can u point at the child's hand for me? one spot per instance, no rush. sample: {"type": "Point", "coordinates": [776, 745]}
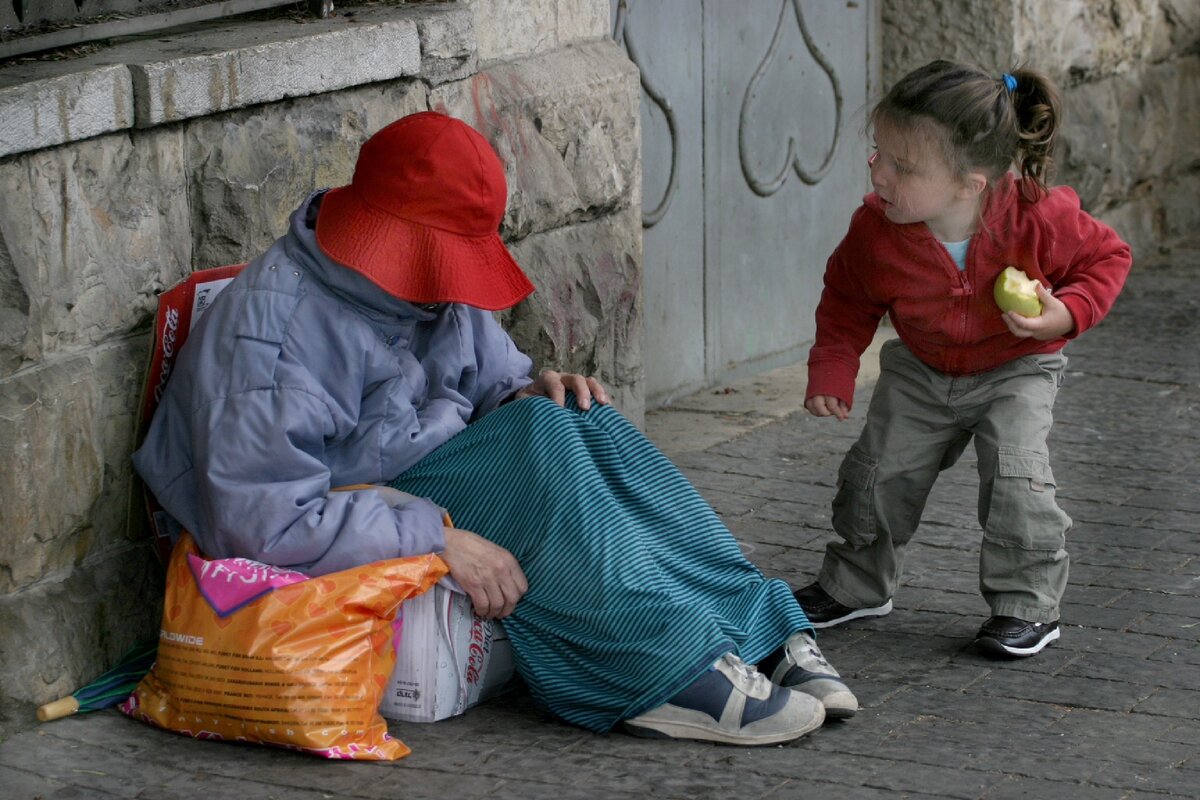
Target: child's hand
{"type": "Point", "coordinates": [824, 405]}
{"type": "Point", "coordinates": [1055, 320]}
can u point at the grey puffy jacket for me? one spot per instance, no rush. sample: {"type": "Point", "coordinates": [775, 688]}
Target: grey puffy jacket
{"type": "Point", "coordinates": [304, 376]}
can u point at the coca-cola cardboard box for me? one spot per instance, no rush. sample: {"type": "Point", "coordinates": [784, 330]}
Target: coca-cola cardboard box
{"type": "Point", "coordinates": [447, 659]}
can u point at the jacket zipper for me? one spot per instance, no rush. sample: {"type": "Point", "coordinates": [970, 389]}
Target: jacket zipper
{"type": "Point", "coordinates": [962, 291]}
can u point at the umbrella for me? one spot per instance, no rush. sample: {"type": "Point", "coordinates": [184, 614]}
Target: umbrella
{"type": "Point", "coordinates": [110, 688]}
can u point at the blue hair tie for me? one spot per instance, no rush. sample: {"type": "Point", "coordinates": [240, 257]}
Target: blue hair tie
{"type": "Point", "coordinates": [1009, 82]}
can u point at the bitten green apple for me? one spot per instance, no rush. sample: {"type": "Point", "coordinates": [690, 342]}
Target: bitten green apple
{"type": "Point", "coordinates": [1016, 291]}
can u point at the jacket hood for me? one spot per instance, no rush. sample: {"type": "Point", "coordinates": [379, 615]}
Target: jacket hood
{"type": "Point", "coordinates": [346, 284]}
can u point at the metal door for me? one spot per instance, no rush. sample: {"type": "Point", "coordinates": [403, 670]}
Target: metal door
{"type": "Point", "coordinates": [753, 161]}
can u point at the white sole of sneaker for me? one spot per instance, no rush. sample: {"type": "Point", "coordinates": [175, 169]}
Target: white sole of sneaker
{"type": "Point", "coordinates": [649, 729]}
{"type": "Point", "coordinates": [842, 705]}
{"type": "Point", "coordinates": [858, 613]}
{"type": "Point", "coordinates": [999, 647]}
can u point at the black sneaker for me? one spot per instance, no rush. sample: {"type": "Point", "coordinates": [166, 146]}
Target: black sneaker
{"type": "Point", "coordinates": [1010, 636]}
{"type": "Point", "coordinates": [825, 612]}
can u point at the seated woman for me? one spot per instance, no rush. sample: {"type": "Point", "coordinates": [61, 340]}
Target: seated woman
{"type": "Point", "coordinates": [360, 349]}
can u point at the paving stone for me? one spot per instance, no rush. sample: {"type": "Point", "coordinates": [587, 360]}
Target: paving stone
{"type": "Point", "coordinates": [808, 515]}
{"type": "Point", "coordinates": [1096, 617]}
{"type": "Point", "coordinates": [1121, 535]}
{"type": "Point", "coordinates": [1063, 690]}
{"type": "Point", "coordinates": [1019, 788]}
{"type": "Point", "coordinates": [943, 781]}
{"type": "Point", "coordinates": [1178, 652]}
{"type": "Point", "coordinates": [1172, 703]}
{"type": "Point", "coordinates": [1185, 733]}
{"type": "Point", "coordinates": [1130, 558]}
{"type": "Point", "coordinates": [1182, 543]}
{"type": "Point", "coordinates": [1095, 595]}
{"type": "Point", "coordinates": [970, 709]}
{"type": "Point", "coordinates": [818, 789]}
{"type": "Point", "coordinates": [1179, 604]}
{"type": "Point", "coordinates": [1175, 519]}
{"type": "Point", "coordinates": [1116, 727]}
{"type": "Point", "coordinates": [1168, 780]}
{"type": "Point", "coordinates": [1124, 578]}
{"type": "Point", "coordinates": [1111, 642]}
{"type": "Point", "coordinates": [756, 529]}
{"type": "Point", "coordinates": [1169, 625]}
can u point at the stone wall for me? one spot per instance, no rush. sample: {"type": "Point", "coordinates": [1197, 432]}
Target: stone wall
{"type": "Point", "coordinates": [123, 170]}
{"type": "Point", "coordinates": [1130, 75]}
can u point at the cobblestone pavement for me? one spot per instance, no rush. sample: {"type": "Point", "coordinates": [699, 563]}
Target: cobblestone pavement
{"type": "Point", "coordinates": [1112, 710]}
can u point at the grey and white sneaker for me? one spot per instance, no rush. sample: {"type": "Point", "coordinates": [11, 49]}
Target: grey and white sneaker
{"type": "Point", "coordinates": [731, 703]}
{"type": "Point", "coordinates": [800, 665]}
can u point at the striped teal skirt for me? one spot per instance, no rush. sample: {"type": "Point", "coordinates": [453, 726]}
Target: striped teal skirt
{"type": "Point", "coordinates": [635, 585]}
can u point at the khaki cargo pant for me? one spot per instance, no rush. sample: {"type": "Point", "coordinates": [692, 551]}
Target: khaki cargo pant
{"type": "Point", "coordinates": [918, 424]}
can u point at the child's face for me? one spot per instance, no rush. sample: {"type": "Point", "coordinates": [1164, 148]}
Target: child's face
{"type": "Point", "coordinates": [915, 184]}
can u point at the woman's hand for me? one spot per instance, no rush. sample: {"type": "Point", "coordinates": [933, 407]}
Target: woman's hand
{"type": "Point", "coordinates": [1055, 319]}
{"type": "Point", "coordinates": [555, 385]}
{"type": "Point", "coordinates": [487, 572]}
{"type": "Point", "coordinates": [824, 405]}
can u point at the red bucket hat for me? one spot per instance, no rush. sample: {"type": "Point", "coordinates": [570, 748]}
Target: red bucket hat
{"type": "Point", "coordinates": [420, 218]}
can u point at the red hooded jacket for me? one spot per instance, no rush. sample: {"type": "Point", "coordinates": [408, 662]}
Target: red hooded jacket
{"type": "Point", "coordinates": [948, 317]}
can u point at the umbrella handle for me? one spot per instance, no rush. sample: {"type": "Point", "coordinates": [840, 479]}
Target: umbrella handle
{"type": "Point", "coordinates": [63, 707]}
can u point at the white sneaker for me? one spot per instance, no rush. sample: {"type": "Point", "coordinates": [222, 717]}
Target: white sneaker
{"type": "Point", "coordinates": [805, 669]}
{"type": "Point", "coordinates": [732, 703]}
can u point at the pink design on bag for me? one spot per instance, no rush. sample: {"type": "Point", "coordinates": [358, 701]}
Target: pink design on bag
{"type": "Point", "coordinates": [230, 583]}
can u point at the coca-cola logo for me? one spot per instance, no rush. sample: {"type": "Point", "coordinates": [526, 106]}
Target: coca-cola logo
{"type": "Point", "coordinates": [170, 332]}
{"type": "Point", "coordinates": [477, 650]}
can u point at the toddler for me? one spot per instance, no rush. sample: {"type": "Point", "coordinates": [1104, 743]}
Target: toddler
{"type": "Point", "coordinates": [944, 220]}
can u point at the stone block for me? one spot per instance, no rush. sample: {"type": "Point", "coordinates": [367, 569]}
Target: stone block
{"type": "Point", "coordinates": [49, 429]}
{"type": "Point", "coordinates": [1130, 141]}
{"type": "Point", "coordinates": [583, 19]}
{"type": "Point", "coordinates": [918, 31]}
{"type": "Point", "coordinates": [1160, 213]}
{"type": "Point", "coordinates": [248, 170]}
{"type": "Point", "coordinates": [1176, 27]}
{"type": "Point", "coordinates": [47, 105]}
{"type": "Point", "coordinates": [506, 29]}
{"type": "Point", "coordinates": [14, 307]}
{"type": "Point", "coordinates": [233, 66]}
{"type": "Point", "coordinates": [1079, 40]}
{"type": "Point", "coordinates": [120, 370]}
{"type": "Point", "coordinates": [1074, 40]}
{"type": "Point", "coordinates": [447, 35]}
{"type": "Point", "coordinates": [566, 125]}
{"type": "Point", "coordinates": [586, 315]}
{"type": "Point", "coordinates": [57, 635]}
{"type": "Point", "coordinates": [89, 233]}
{"type": "Point", "coordinates": [70, 426]}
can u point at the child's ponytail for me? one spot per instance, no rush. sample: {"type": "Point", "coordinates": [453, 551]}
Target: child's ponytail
{"type": "Point", "coordinates": [1038, 111]}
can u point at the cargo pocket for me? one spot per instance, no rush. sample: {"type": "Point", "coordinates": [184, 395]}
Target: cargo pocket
{"type": "Point", "coordinates": [1023, 511]}
{"type": "Point", "coordinates": [854, 504]}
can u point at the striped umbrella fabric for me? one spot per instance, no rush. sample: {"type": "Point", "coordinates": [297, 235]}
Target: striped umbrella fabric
{"type": "Point", "coordinates": [110, 688]}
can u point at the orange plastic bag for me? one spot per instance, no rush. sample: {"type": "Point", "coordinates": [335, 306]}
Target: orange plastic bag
{"type": "Point", "coordinates": [253, 653]}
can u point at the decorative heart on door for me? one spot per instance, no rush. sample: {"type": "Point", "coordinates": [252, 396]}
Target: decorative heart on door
{"type": "Point", "coordinates": [792, 160]}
